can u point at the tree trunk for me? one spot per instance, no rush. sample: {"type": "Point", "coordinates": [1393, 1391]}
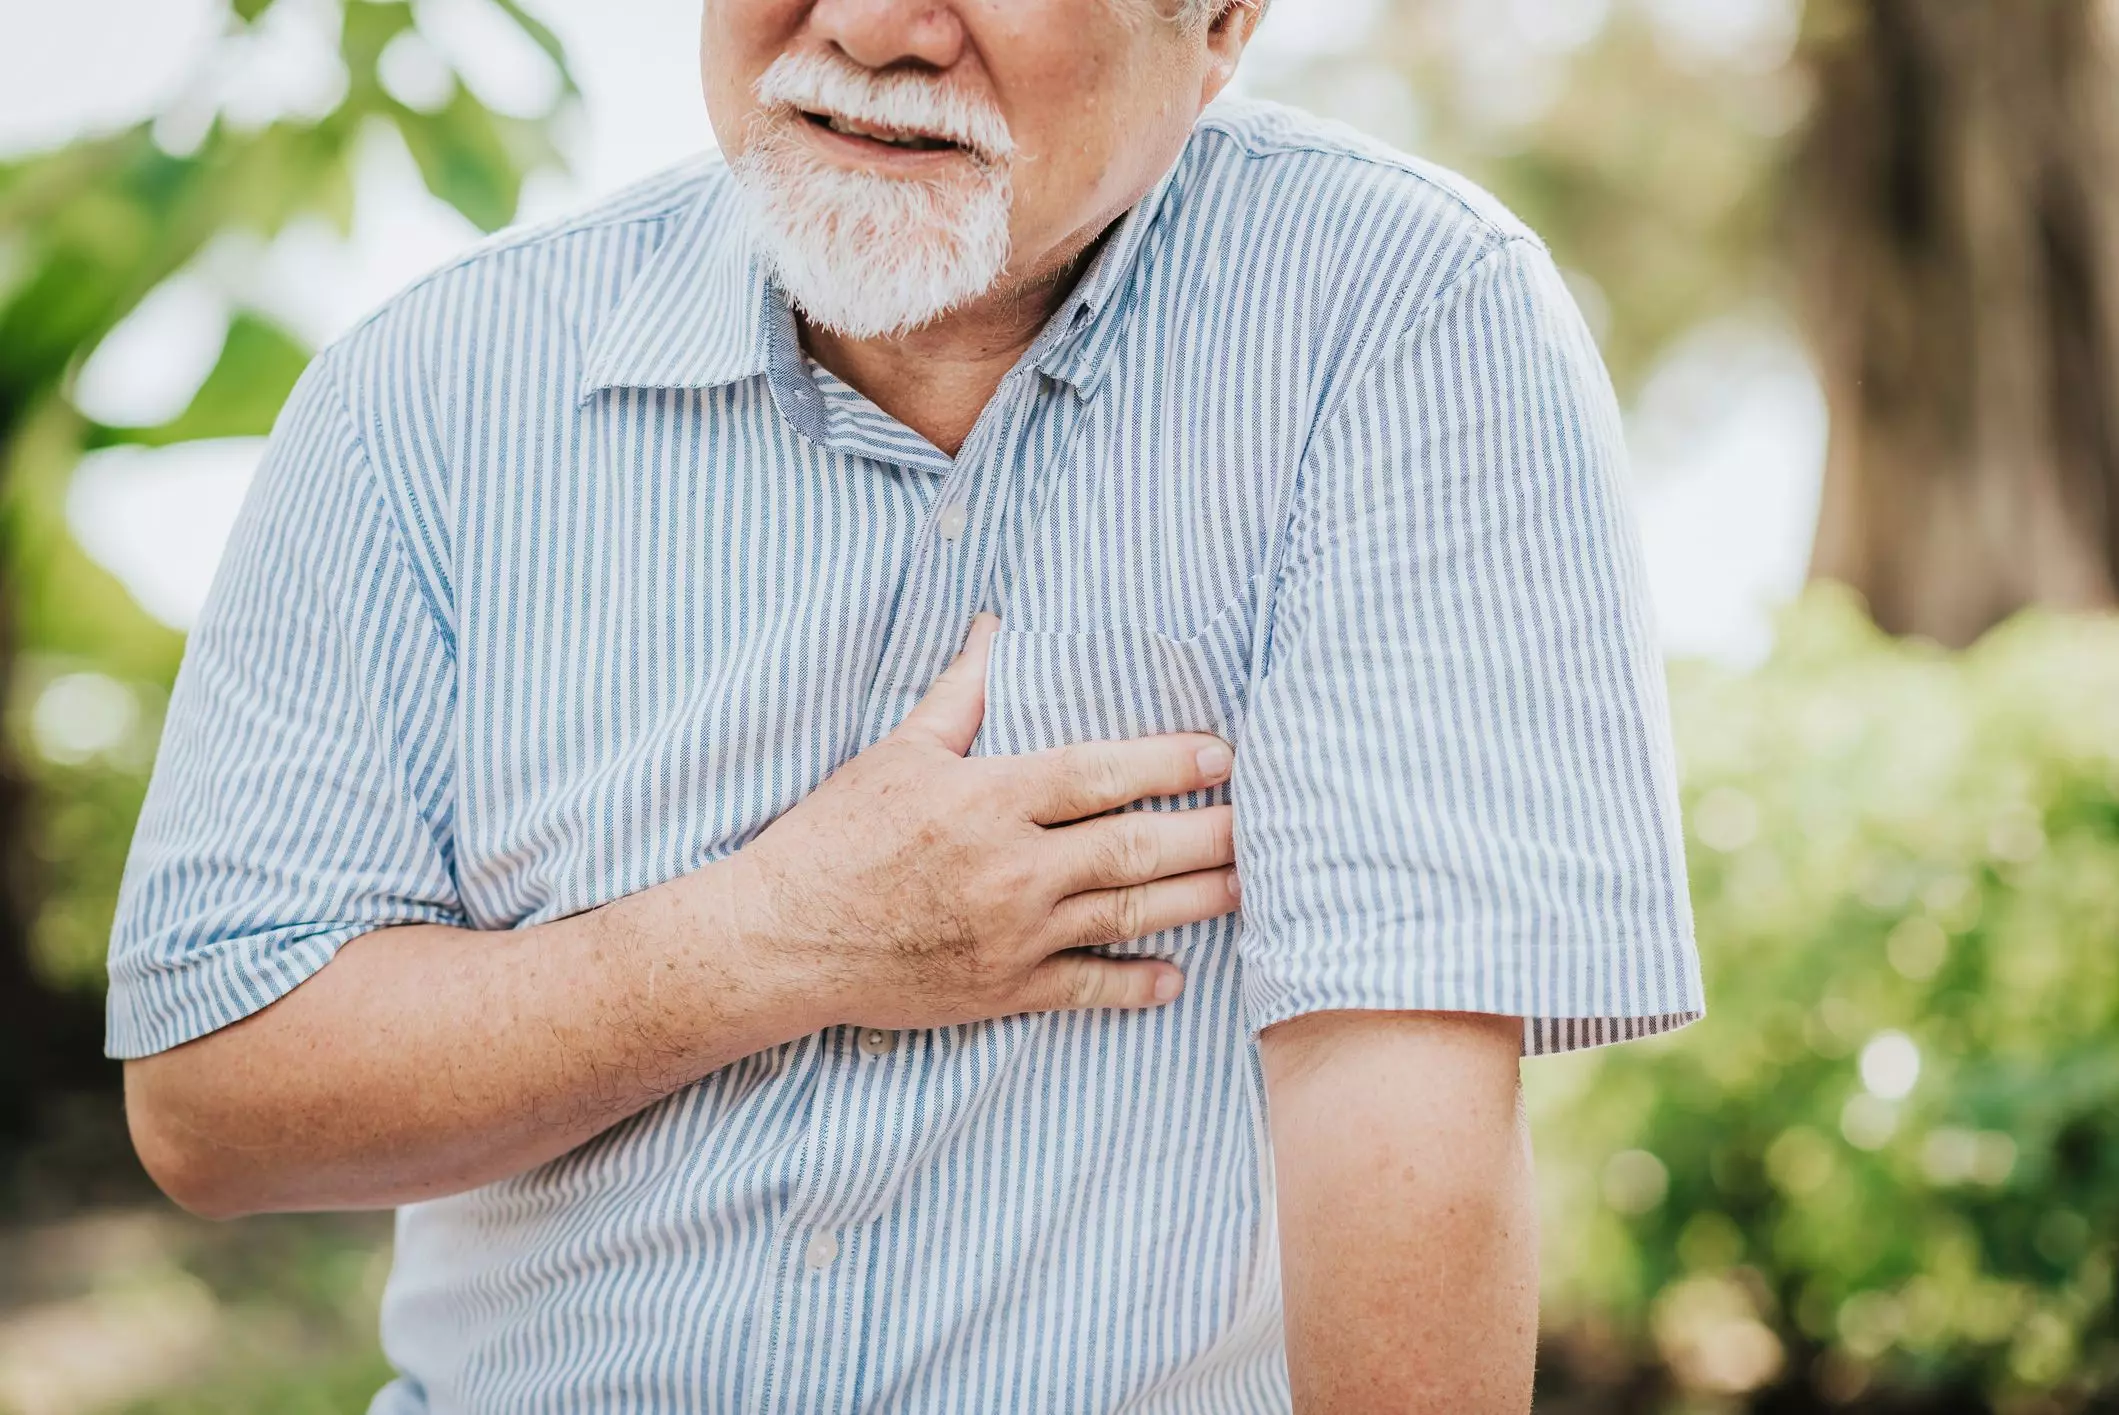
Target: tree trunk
{"type": "Point", "coordinates": [1956, 204]}
{"type": "Point", "coordinates": [50, 1039]}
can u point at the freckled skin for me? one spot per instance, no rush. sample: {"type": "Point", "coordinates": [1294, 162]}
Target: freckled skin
{"type": "Point", "coordinates": [1409, 1229]}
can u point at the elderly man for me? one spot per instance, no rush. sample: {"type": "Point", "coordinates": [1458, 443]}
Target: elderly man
{"type": "Point", "coordinates": [706, 778]}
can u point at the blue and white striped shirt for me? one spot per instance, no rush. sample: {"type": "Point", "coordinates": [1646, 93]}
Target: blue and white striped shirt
{"type": "Point", "coordinates": [568, 572]}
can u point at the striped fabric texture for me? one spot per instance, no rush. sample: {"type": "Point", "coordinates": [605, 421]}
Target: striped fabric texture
{"type": "Point", "coordinates": [568, 572]}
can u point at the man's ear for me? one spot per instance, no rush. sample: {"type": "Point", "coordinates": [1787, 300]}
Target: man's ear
{"type": "Point", "coordinates": [1227, 34]}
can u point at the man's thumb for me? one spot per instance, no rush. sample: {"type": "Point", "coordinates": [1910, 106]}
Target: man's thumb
{"type": "Point", "coordinates": [956, 702]}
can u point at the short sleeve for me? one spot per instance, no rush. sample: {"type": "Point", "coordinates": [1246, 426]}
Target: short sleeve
{"type": "Point", "coordinates": [302, 792]}
{"type": "Point", "coordinates": [1456, 788]}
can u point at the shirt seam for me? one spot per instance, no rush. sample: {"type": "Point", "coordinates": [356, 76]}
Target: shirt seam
{"type": "Point", "coordinates": [508, 242]}
{"type": "Point", "coordinates": [399, 534]}
{"type": "Point", "coordinates": [1298, 484]}
{"type": "Point", "coordinates": [1254, 150]}
{"type": "Point", "coordinates": [1418, 325]}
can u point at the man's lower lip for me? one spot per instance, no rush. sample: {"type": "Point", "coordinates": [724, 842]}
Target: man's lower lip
{"type": "Point", "coordinates": [872, 147]}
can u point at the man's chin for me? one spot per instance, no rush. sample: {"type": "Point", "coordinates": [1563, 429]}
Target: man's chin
{"type": "Point", "coordinates": [862, 275]}
{"type": "Point", "coordinates": [847, 316]}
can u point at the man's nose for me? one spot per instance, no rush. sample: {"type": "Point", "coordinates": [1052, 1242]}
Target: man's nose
{"type": "Point", "coordinates": [879, 33]}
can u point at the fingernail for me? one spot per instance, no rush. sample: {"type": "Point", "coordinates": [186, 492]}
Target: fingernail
{"type": "Point", "coordinates": [1168, 986]}
{"type": "Point", "coordinates": [1235, 886]}
{"type": "Point", "coordinates": [1214, 761]}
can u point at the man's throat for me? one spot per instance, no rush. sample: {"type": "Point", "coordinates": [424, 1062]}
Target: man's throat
{"type": "Point", "coordinates": [936, 381]}
{"type": "Point", "coordinates": [940, 399]}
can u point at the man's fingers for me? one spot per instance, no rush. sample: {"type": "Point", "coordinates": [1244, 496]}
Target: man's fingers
{"type": "Point", "coordinates": [955, 703]}
{"type": "Point", "coordinates": [1107, 916]}
{"type": "Point", "coordinates": [1134, 847]}
{"type": "Point", "coordinates": [1074, 982]}
{"type": "Point", "coordinates": [1089, 778]}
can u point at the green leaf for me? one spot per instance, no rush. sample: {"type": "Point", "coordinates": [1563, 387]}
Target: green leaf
{"type": "Point", "coordinates": [370, 26]}
{"type": "Point", "coordinates": [474, 159]}
{"type": "Point", "coordinates": [249, 10]}
{"type": "Point", "coordinates": [63, 603]}
{"type": "Point", "coordinates": [257, 369]}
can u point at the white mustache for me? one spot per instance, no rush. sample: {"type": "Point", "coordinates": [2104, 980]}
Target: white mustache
{"type": "Point", "coordinates": [898, 102]}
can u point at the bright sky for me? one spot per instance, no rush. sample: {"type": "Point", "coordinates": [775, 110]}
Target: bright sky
{"type": "Point", "coordinates": [1728, 436]}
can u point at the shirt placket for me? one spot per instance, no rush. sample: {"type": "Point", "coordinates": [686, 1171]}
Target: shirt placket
{"type": "Point", "coordinates": [952, 569]}
{"type": "Point", "coordinates": [873, 1084]}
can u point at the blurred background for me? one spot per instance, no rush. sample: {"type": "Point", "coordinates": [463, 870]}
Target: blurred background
{"type": "Point", "coordinates": [1855, 267]}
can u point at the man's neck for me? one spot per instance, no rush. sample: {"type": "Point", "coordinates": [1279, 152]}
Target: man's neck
{"type": "Point", "coordinates": [938, 379]}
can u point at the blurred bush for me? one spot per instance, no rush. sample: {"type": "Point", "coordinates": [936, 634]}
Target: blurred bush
{"type": "Point", "coordinates": [88, 232]}
{"type": "Point", "coordinates": [1888, 1160]}
{"type": "Point", "coordinates": [148, 1311]}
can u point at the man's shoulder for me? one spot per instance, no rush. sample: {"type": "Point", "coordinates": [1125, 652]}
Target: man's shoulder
{"type": "Point", "coordinates": [502, 330]}
{"type": "Point", "coordinates": [1344, 171]}
{"type": "Point", "coordinates": [656, 197]}
{"type": "Point", "coordinates": [1335, 240]}
{"type": "Point", "coordinates": [562, 269]}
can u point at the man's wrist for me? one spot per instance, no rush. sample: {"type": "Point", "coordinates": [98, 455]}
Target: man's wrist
{"type": "Point", "coordinates": [728, 941]}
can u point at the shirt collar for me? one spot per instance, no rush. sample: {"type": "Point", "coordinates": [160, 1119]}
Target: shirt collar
{"type": "Point", "coordinates": [1077, 342]}
{"type": "Point", "coordinates": [698, 314]}
{"type": "Point", "coordinates": [673, 327]}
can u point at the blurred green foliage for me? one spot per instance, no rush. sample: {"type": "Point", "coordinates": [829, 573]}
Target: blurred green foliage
{"type": "Point", "coordinates": [1645, 139]}
{"type": "Point", "coordinates": [295, 1331]}
{"type": "Point", "coordinates": [148, 1310]}
{"type": "Point", "coordinates": [271, 1316]}
{"type": "Point", "coordinates": [86, 234]}
{"type": "Point", "coordinates": [1889, 1156]}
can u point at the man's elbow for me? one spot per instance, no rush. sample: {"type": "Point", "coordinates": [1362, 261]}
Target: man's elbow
{"type": "Point", "coordinates": [184, 1158]}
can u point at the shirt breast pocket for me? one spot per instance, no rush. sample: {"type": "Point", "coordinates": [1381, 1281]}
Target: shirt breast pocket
{"type": "Point", "coordinates": [1053, 687]}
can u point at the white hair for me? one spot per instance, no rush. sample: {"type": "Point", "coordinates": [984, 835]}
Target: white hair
{"type": "Point", "coordinates": [869, 256]}
{"type": "Point", "coordinates": [865, 255]}
{"type": "Point", "coordinates": [1185, 14]}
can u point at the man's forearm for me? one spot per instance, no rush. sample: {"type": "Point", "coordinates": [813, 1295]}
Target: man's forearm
{"type": "Point", "coordinates": [423, 1061]}
{"type": "Point", "coordinates": [914, 888]}
{"type": "Point", "coordinates": [1407, 1213]}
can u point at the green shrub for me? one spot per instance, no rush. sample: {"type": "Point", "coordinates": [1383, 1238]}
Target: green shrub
{"type": "Point", "coordinates": [1888, 1159]}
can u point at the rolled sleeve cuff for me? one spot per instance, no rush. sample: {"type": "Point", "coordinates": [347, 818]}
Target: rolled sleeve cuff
{"type": "Point", "coordinates": [1603, 1007]}
{"type": "Point", "coordinates": [164, 997]}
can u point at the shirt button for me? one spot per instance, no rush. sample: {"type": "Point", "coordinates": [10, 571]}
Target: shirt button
{"type": "Point", "coordinates": [875, 1042]}
{"type": "Point", "coordinates": [823, 1249]}
{"type": "Point", "coordinates": [952, 521]}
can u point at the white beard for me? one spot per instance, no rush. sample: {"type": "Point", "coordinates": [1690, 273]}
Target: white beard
{"type": "Point", "coordinates": [863, 255]}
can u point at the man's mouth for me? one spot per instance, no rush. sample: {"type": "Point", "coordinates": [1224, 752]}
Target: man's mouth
{"type": "Point", "coordinates": [889, 137]}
